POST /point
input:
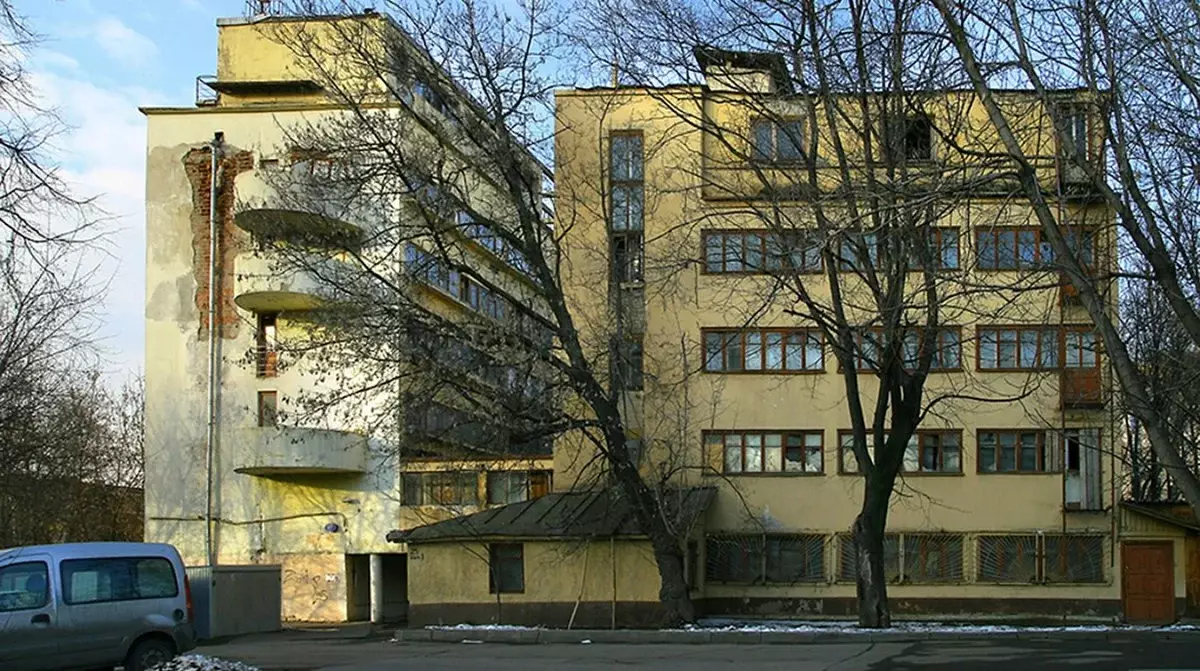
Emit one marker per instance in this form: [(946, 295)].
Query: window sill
[(639, 284), (752, 373), (772, 474), (1018, 472)]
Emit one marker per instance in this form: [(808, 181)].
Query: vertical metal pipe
[(215, 150)]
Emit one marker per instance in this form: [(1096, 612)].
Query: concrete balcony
[(289, 450), (266, 284)]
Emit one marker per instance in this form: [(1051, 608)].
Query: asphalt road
[(295, 654)]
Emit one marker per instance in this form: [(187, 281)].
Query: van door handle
[(40, 618)]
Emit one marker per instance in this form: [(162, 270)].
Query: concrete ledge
[(735, 637)]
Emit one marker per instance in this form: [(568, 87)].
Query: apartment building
[(1009, 501), (238, 469)]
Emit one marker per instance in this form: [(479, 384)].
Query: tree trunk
[(873, 611), (673, 593)]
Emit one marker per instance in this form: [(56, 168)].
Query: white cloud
[(104, 156), (122, 43)]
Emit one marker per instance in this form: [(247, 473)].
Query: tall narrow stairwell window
[(627, 208)]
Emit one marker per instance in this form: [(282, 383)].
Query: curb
[(733, 637)]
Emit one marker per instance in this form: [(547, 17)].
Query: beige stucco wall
[(555, 571), (681, 300)]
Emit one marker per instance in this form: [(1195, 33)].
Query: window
[(918, 138), (1051, 558), (1073, 559), (516, 486), (1083, 484), (778, 141), (761, 252), (628, 366), (499, 246), (628, 256), (425, 268), (268, 408), (1079, 349), (440, 488), (1027, 248), (848, 558), (24, 586), (1016, 451), (928, 451), (857, 249), (627, 188), (947, 353), (941, 246), (506, 568), (118, 579), (1018, 348), (770, 558), (909, 558), (790, 351), (1074, 122), (265, 355), (1011, 559), (792, 452), (941, 452)]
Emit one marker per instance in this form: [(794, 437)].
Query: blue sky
[(99, 61)]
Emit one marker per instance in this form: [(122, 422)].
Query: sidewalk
[(800, 633)]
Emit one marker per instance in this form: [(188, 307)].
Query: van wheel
[(148, 654)]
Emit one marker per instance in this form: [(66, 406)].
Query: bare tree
[(1137, 61), (436, 141), (851, 157)]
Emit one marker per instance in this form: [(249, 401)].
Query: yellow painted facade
[(697, 182), (315, 497)]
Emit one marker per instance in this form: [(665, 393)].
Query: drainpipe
[(215, 151)]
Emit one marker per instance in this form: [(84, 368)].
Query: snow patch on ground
[(202, 663), (848, 627)]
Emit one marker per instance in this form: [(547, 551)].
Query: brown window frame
[(1061, 334), (719, 439), (920, 435), (1041, 455), (765, 252), (764, 335), (934, 242), (1040, 247), (630, 184), (776, 126), (861, 363)]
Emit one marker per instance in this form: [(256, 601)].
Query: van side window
[(24, 586), (117, 579)]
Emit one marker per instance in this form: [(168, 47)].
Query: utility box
[(235, 600)]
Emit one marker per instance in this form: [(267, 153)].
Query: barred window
[(1008, 559), (927, 558), (1073, 559), (771, 558), (848, 558)]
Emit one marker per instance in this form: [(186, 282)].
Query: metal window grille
[(775, 558), (735, 559), (1011, 559), (1073, 559), (848, 558), (927, 558)]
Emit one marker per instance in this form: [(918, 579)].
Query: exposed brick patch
[(230, 241)]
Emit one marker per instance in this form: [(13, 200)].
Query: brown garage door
[(1148, 582)]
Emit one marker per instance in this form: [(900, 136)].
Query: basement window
[(506, 568)]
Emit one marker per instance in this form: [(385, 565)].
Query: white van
[(93, 606)]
